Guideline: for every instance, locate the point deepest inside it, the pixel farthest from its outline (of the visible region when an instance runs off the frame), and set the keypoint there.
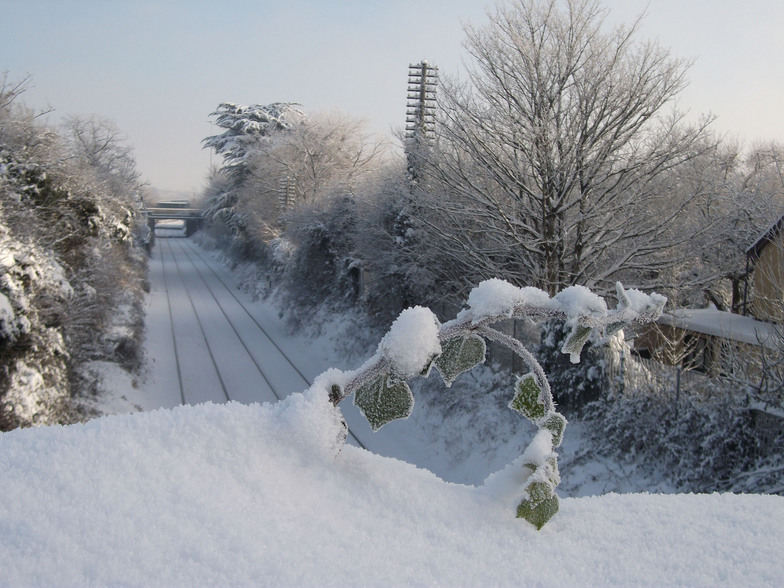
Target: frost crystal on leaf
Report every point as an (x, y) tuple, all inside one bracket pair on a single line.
[(459, 355), (527, 400), (576, 341), (383, 400)]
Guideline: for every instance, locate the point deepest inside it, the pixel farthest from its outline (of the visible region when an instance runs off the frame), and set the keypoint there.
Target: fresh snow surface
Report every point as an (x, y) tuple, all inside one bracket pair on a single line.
[(253, 495)]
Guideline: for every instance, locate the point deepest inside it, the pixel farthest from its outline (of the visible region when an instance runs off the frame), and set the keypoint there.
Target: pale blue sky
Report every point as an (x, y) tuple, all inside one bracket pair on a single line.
[(158, 68)]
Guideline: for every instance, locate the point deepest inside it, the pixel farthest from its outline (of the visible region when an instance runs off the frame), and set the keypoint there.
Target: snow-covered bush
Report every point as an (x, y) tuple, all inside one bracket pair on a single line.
[(417, 342), (574, 385), (712, 436), (71, 277)]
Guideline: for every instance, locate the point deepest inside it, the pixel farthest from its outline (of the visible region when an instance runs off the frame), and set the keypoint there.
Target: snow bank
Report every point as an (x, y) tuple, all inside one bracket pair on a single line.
[(253, 495)]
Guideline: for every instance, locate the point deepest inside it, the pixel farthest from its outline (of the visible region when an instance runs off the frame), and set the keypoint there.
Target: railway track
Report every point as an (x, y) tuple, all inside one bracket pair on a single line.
[(222, 347)]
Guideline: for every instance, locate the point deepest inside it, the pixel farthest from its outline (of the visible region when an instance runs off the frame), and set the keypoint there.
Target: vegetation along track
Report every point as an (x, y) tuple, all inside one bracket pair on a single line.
[(220, 345)]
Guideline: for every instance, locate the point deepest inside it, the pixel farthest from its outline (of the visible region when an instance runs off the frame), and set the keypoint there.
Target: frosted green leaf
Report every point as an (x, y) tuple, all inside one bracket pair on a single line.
[(384, 400), (613, 328), (538, 513), (556, 424), (555, 476), (527, 400), (459, 355), (575, 341), (540, 491)]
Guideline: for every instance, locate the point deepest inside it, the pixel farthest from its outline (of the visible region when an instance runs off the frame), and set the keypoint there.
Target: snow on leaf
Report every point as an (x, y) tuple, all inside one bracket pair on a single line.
[(539, 450), (556, 424), (459, 355), (645, 305), (575, 342), (412, 342), (496, 297), (577, 301), (539, 491), (383, 400)]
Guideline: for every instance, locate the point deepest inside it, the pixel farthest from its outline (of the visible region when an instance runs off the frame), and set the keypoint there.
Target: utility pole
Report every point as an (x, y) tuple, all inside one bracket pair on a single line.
[(286, 193), (420, 113)]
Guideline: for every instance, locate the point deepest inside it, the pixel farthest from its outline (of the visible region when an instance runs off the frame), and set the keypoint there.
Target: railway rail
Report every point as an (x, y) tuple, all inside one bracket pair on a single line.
[(222, 348)]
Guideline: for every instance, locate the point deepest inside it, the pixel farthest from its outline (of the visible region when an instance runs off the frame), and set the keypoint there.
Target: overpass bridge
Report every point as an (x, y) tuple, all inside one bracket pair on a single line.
[(175, 210)]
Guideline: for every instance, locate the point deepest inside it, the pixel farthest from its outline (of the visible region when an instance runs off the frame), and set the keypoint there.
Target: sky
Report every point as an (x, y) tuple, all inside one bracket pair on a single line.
[(159, 68)]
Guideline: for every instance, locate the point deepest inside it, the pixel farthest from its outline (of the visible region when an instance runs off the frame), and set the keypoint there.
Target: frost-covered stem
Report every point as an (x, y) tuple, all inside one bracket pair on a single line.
[(373, 368), (528, 357)]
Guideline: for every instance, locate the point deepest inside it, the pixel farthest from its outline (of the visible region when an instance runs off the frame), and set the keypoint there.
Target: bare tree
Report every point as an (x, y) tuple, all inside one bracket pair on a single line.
[(98, 145), (553, 160), (327, 152), (310, 158)]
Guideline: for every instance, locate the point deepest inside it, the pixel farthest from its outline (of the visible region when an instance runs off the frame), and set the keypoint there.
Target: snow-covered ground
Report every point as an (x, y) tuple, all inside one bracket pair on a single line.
[(252, 495), (257, 494)]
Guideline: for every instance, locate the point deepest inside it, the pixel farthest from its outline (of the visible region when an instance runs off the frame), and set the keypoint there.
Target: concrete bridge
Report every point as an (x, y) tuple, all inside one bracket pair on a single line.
[(176, 210)]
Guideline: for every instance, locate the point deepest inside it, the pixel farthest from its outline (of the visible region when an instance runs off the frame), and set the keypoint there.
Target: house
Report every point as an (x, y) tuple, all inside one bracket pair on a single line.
[(709, 340), (764, 288), (718, 342)]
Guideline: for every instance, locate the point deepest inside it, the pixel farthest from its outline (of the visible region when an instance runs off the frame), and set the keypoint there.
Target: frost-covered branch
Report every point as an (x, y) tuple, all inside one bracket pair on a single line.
[(417, 341)]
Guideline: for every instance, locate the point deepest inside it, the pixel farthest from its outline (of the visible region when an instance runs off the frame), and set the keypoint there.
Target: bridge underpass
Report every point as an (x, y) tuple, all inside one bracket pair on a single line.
[(192, 218)]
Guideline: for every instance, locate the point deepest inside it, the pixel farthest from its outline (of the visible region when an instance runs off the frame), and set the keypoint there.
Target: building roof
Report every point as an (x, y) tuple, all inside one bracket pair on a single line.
[(768, 236), (719, 323)]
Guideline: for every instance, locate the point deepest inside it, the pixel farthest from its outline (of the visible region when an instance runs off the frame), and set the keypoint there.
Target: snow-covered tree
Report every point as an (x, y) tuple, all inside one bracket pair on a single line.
[(247, 126), (69, 202), (248, 129), (328, 153), (276, 160), (99, 146), (550, 159)]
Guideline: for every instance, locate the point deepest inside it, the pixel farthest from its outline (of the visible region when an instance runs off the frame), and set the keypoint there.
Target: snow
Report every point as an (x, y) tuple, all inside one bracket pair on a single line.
[(7, 327), (232, 494), (258, 494), (579, 300), (712, 321), (638, 301), (497, 297), (29, 395), (411, 342)]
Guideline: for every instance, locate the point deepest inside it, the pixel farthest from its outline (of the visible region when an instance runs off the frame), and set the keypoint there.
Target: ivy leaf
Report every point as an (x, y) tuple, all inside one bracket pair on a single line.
[(538, 513), (528, 398), (575, 341), (556, 424), (613, 328), (383, 400), (459, 355)]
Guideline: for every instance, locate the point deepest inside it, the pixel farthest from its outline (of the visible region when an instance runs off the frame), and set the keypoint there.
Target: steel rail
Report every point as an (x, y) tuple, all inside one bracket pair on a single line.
[(250, 315), (200, 325)]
